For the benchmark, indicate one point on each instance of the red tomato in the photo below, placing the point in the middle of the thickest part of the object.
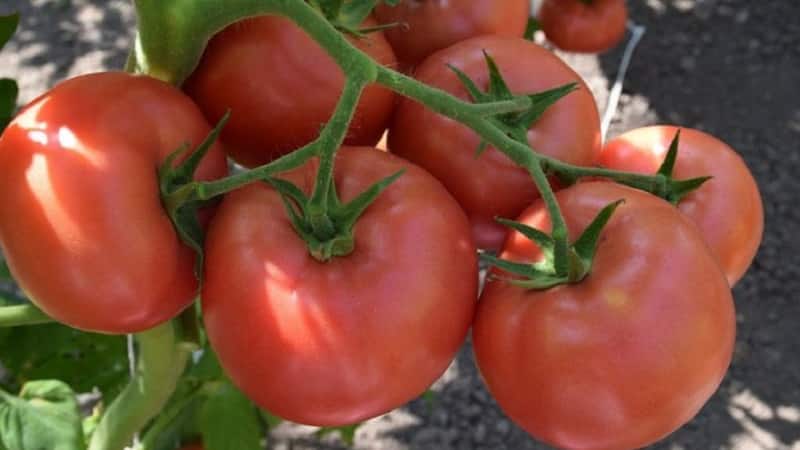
(727, 208)
(338, 342)
(281, 88)
(430, 25)
(624, 357)
(81, 222)
(492, 185)
(575, 26)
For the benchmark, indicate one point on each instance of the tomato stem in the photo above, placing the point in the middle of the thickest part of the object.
(162, 359)
(18, 315)
(330, 140)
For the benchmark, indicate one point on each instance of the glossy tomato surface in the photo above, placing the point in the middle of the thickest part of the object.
(573, 25)
(491, 185)
(627, 355)
(281, 88)
(338, 342)
(727, 209)
(81, 221)
(425, 26)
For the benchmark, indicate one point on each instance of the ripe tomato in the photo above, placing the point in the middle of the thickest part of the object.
(491, 185)
(281, 88)
(426, 26)
(575, 26)
(81, 222)
(338, 342)
(727, 208)
(627, 355)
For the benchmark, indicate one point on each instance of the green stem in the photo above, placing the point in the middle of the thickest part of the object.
(176, 408)
(330, 140)
(17, 315)
(162, 359)
(444, 103)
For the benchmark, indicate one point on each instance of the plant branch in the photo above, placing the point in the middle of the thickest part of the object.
(18, 315)
(162, 359)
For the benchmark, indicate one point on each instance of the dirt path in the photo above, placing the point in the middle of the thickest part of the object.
(731, 67)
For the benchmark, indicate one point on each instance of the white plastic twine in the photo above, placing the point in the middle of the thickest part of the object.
(637, 32)
(132, 371)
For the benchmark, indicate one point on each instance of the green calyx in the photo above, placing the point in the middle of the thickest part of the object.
(328, 230)
(548, 272)
(514, 124)
(179, 195)
(668, 188)
(348, 15)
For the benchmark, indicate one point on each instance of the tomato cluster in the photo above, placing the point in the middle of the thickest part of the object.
(616, 360)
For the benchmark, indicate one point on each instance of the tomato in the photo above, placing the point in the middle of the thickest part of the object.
(575, 26)
(727, 208)
(81, 221)
(338, 342)
(426, 26)
(627, 355)
(281, 88)
(491, 185)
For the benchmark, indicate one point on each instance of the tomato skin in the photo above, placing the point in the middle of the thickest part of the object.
(492, 185)
(81, 222)
(577, 27)
(281, 88)
(432, 25)
(338, 342)
(727, 209)
(624, 357)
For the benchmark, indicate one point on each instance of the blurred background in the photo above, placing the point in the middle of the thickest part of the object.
(729, 67)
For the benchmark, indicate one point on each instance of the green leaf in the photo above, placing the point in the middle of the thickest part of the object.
(8, 101)
(83, 360)
(229, 421)
(45, 416)
(8, 25)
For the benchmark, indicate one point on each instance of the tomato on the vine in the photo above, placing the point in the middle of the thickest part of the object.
(81, 223)
(490, 184)
(727, 208)
(628, 354)
(281, 88)
(423, 27)
(337, 342)
(588, 26)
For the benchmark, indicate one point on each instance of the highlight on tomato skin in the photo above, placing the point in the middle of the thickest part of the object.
(338, 342)
(281, 88)
(82, 226)
(627, 355)
(575, 26)
(491, 185)
(424, 27)
(727, 209)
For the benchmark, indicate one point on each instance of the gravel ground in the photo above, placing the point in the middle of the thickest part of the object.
(730, 67)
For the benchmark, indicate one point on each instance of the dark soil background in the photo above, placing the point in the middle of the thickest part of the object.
(730, 67)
